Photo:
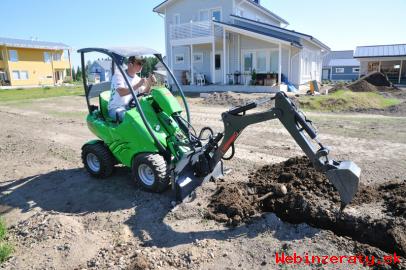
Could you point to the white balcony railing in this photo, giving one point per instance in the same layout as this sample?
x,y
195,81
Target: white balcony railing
x,y
191,30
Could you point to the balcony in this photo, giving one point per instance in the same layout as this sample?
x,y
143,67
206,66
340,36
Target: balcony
x,y
193,32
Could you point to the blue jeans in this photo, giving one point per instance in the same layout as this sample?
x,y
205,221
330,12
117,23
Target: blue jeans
x,y
117,113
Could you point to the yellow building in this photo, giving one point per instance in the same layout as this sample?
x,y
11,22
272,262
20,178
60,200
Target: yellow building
x,y
33,63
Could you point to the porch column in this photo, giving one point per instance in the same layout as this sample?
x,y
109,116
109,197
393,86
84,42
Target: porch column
x,y
239,53
224,57
400,71
289,64
191,65
379,68
280,64
213,66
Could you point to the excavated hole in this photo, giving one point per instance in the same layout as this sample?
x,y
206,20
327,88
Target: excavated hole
x,y
300,194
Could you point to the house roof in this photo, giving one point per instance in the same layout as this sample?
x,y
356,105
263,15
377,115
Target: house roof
x,y
348,54
380,51
104,64
159,9
344,63
25,43
287,31
294,41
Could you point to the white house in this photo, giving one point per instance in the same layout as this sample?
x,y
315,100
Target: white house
x,y
221,39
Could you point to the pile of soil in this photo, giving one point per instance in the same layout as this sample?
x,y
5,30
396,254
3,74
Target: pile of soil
x,y
297,193
362,86
377,79
232,99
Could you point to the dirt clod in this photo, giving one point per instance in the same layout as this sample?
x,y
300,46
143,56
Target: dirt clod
x,y
312,199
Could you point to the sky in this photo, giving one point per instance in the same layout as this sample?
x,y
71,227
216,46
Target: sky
x,y
341,24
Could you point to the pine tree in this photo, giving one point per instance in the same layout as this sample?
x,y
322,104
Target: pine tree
x,y
78,74
73,74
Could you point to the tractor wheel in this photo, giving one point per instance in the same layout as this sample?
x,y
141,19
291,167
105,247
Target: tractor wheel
x,y
150,171
98,160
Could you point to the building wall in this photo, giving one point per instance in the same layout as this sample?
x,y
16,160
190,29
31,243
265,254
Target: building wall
x,y
252,13
348,74
32,61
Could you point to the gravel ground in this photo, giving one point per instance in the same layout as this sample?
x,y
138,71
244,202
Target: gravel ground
x,y
60,218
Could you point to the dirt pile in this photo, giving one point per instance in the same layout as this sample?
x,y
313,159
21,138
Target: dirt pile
x,y
310,198
233,99
362,86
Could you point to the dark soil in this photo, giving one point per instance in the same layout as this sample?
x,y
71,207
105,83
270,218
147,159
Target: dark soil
x,y
310,198
362,86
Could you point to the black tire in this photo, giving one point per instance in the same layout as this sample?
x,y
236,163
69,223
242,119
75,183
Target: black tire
x,y
158,168
102,154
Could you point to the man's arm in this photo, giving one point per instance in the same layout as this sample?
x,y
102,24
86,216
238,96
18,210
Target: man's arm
x,y
123,91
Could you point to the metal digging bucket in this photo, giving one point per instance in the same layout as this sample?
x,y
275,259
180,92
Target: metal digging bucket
x,y
344,175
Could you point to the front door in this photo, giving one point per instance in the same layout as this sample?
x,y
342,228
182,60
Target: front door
x,y
325,74
218,66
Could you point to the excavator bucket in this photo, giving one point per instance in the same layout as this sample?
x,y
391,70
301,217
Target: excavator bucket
x,y
344,175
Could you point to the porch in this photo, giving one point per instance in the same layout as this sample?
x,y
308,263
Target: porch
x,y
232,88
395,70
214,56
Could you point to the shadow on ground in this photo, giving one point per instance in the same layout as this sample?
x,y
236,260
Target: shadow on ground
x,y
74,192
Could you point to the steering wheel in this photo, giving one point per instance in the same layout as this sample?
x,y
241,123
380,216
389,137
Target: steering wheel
x,y
131,104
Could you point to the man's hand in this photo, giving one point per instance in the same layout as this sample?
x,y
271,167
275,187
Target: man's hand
x,y
139,84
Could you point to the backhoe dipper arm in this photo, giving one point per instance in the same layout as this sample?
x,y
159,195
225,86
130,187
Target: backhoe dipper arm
x,y
343,174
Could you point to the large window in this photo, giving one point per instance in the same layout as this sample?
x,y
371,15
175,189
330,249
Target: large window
x,y
179,58
24,75
248,61
47,57
57,57
261,62
216,15
339,70
13,56
20,75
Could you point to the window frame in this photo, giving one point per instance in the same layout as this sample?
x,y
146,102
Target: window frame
x,y
18,75
179,55
49,57
339,70
54,58
10,56
357,71
24,71
219,9
198,54
175,17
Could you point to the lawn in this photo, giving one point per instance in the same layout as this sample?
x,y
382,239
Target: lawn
x,y
345,100
36,93
5,248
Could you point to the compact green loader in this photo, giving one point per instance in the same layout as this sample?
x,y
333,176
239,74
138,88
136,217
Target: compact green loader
x,y
157,141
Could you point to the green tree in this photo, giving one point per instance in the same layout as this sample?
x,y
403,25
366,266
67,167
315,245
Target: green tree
x,y
73,74
78,74
149,66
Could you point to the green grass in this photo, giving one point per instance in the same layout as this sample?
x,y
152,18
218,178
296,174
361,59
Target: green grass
x,y
345,100
5,248
36,93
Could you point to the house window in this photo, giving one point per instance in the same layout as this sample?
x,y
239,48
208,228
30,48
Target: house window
x,y
176,19
355,70
16,75
203,15
339,70
216,15
179,58
57,57
13,55
217,61
198,57
47,57
24,75
239,12
248,61
261,61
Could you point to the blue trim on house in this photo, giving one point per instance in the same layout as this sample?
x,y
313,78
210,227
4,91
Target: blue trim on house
x,y
295,41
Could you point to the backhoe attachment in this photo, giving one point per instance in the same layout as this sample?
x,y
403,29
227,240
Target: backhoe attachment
x,y
204,162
